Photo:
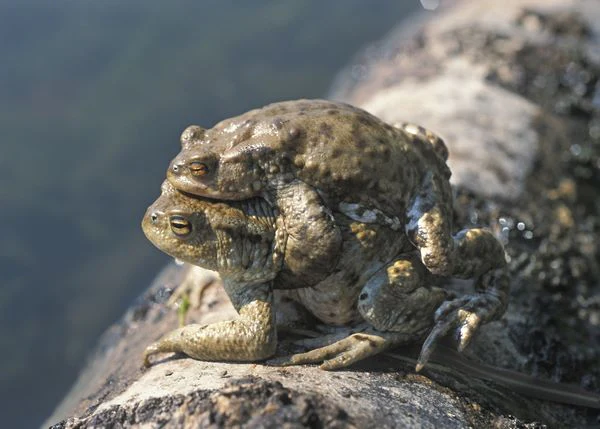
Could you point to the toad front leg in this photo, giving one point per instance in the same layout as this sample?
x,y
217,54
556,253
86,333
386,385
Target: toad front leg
x,y
251,337
473,253
314,239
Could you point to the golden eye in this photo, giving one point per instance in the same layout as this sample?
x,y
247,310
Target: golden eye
x,y
198,168
180,225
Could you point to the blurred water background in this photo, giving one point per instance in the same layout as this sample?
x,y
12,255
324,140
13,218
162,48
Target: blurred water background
x,y
93,97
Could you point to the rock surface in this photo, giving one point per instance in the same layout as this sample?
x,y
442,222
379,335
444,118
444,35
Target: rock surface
x,y
513,88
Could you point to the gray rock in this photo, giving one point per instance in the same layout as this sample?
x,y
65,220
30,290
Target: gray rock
x,y
513,88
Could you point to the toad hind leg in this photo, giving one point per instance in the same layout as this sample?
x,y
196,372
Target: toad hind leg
x,y
349,350
472,253
466,313
429,225
251,337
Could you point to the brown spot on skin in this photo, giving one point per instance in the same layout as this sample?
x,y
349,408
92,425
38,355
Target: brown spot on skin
x,y
285,160
364,119
326,130
336,152
278,123
333,112
324,170
293,133
355,131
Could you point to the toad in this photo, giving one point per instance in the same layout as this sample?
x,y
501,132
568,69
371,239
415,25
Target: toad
x,y
375,284
311,158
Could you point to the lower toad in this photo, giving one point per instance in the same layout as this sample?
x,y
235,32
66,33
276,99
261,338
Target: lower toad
x,y
375,284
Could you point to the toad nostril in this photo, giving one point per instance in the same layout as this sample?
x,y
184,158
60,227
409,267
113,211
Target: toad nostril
x,y
154,217
363,296
175,168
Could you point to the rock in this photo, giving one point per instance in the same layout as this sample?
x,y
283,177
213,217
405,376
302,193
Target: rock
x,y
513,88
114,390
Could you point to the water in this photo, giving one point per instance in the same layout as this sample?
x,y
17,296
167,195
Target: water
x,y
93,96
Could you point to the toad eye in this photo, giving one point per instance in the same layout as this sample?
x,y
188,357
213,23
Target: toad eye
x,y
180,225
198,168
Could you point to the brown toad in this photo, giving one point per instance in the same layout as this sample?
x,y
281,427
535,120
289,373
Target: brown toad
x,y
309,158
375,282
